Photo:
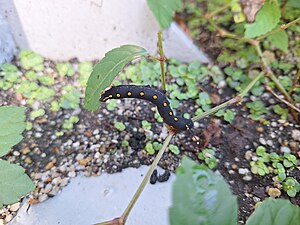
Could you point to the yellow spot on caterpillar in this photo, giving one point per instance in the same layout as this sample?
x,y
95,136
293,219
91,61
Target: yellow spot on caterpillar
x,y
154,97
118,95
129,93
142,93
175,119
165,104
170,113
110,96
187,127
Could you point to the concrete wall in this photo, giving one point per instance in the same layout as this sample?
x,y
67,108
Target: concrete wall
x,y
86,29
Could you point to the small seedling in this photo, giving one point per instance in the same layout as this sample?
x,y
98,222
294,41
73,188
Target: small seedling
x,y
30,60
37,113
174,149
257,109
146,125
69,123
208,155
291,186
120,126
64,69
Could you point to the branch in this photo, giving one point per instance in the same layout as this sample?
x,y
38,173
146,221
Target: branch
x,y
122,220
282,27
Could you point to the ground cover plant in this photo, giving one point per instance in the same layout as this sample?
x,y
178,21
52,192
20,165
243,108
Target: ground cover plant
x,y
131,130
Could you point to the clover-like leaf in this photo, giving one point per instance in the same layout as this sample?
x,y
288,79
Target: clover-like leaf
x,y
12,124
266,19
275,212
106,70
163,10
14,183
200,196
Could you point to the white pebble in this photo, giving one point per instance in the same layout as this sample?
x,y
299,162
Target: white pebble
x,y
296,135
285,149
43,197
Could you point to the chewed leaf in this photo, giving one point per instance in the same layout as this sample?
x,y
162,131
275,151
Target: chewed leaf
x,y
106,70
12,124
14,183
266,19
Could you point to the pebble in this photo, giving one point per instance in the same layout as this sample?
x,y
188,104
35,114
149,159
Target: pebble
x,y
1,222
270,143
64,182
48,188
274,192
296,135
248,155
25,151
76,144
28,160
14,207
247,178
79,157
95,132
262,141
8,218
243,171
274,124
43,197
285,149
38,135
16,153
72,174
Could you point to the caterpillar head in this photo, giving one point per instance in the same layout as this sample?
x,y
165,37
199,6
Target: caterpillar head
x,y
106,94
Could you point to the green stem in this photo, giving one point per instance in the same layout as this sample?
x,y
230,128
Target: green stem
x,y
162,60
234,100
122,220
282,27
271,74
218,10
250,85
147,177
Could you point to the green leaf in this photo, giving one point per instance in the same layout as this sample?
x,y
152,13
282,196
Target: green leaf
x,y
163,10
275,212
12,124
14,183
280,40
266,19
200,196
106,70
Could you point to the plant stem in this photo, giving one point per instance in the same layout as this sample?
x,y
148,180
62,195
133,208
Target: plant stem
x,y
234,100
162,60
282,27
122,220
217,11
250,85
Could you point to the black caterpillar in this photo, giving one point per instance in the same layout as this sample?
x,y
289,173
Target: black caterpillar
x,y
153,95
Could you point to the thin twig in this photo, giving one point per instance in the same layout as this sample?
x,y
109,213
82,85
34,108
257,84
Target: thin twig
x,y
282,27
282,100
122,220
162,60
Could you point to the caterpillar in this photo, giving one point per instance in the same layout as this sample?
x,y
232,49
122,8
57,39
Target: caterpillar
x,y
153,95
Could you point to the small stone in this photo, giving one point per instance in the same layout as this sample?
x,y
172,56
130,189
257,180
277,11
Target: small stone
x,y
247,178
76,144
28,160
8,218
260,129
234,166
83,162
285,149
47,189
274,192
54,191
72,174
256,199
269,142
50,164
231,172
95,132
274,124
56,181
296,135
38,135
243,171
79,157
25,151
64,182
16,153
262,141
43,197
1,222
15,207
248,155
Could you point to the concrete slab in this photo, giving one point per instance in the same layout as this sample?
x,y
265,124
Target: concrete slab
x,y
87,29
87,200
